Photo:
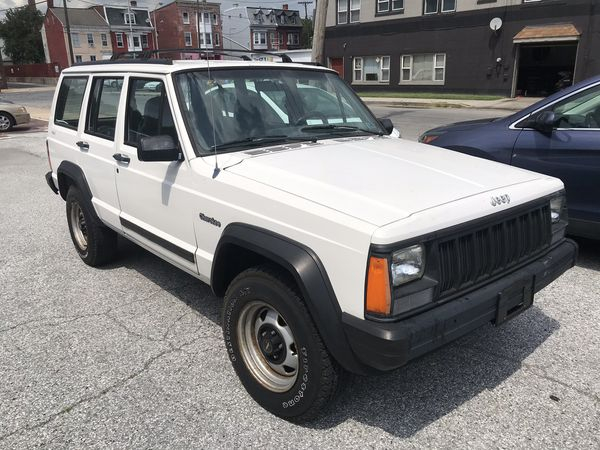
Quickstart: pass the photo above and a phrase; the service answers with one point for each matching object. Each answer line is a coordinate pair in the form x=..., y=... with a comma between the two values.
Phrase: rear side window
x=148, y=112
x=68, y=104
x=104, y=104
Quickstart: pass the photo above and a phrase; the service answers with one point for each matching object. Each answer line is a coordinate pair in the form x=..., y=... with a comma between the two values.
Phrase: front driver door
x=570, y=152
x=156, y=202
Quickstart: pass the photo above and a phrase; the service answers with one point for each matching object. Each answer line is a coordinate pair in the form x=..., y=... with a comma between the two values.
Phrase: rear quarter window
x=70, y=99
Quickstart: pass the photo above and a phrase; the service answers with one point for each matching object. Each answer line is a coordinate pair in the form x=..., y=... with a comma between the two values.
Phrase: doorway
x=337, y=64
x=545, y=68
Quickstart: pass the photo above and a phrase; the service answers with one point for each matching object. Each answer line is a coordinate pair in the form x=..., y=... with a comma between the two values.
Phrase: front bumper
x=388, y=345
x=22, y=118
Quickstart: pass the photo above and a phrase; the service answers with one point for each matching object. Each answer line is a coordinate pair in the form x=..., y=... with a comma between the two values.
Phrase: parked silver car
x=11, y=115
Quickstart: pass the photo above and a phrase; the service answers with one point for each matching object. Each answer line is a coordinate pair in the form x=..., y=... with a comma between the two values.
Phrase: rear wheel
x=6, y=121
x=275, y=347
x=95, y=243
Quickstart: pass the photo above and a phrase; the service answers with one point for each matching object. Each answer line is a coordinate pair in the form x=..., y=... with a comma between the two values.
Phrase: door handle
x=122, y=158
x=82, y=145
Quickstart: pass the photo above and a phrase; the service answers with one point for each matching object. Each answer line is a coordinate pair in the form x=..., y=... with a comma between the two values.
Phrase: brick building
x=256, y=28
x=89, y=36
x=182, y=24
x=130, y=27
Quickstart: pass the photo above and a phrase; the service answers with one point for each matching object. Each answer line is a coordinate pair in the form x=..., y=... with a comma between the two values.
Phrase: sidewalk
x=506, y=104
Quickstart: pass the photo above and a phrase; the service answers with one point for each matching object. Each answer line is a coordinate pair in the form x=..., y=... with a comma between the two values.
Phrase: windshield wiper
x=249, y=141
x=339, y=128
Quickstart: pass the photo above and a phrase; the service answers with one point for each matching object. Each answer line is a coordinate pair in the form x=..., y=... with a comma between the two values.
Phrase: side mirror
x=544, y=122
x=387, y=125
x=158, y=148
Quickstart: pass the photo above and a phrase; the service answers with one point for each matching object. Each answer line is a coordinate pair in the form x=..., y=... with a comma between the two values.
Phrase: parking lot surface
x=131, y=355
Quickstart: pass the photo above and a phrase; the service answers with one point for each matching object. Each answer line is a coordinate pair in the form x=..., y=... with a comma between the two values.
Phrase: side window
x=104, y=103
x=68, y=104
x=580, y=110
x=148, y=112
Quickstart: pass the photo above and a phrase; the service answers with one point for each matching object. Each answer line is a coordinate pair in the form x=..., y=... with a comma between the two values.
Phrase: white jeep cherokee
x=335, y=246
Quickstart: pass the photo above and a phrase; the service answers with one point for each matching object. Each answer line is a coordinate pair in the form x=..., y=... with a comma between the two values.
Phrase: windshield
x=243, y=108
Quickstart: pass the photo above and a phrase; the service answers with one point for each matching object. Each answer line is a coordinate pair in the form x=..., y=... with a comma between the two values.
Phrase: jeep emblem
x=495, y=201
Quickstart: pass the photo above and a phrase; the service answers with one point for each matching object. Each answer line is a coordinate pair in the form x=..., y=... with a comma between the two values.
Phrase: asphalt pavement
x=131, y=355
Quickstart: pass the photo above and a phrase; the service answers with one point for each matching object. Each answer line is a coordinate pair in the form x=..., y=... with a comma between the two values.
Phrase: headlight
x=407, y=264
x=428, y=138
x=557, y=208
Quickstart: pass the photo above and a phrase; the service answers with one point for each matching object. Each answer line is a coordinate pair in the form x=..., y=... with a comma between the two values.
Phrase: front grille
x=473, y=256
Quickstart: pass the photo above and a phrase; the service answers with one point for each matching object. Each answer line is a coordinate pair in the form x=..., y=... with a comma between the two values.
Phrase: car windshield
x=243, y=108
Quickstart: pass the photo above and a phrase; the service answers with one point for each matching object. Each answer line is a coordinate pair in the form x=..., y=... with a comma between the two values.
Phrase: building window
x=206, y=18
x=217, y=39
x=119, y=39
x=208, y=38
x=75, y=40
x=435, y=6
x=354, y=11
x=144, y=41
x=90, y=39
x=92, y=57
x=215, y=20
x=104, y=40
x=371, y=69
x=384, y=5
x=129, y=18
x=423, y=69
x=186, y=17
x=293, y=39
x=78, y=58
x=342, y=11
x=260, y=38
x=187, y=37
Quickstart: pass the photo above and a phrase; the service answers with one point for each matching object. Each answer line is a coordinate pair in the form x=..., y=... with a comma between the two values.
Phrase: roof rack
x=147, y=55
x=124, y=61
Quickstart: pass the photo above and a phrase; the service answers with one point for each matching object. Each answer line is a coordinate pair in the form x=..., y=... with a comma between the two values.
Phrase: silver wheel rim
x=4, y=122
x=267, y=346
x=78, y=226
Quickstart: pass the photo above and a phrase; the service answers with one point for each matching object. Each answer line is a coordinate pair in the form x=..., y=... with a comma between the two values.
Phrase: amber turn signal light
x=379, y=298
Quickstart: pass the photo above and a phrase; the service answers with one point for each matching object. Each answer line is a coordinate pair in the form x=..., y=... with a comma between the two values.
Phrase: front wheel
x=275, y=347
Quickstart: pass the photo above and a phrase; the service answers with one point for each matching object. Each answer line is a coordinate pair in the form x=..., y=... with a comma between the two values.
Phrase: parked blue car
x=558, y=136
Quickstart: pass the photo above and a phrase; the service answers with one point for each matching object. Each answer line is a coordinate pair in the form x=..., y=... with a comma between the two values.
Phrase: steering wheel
x=311, y=115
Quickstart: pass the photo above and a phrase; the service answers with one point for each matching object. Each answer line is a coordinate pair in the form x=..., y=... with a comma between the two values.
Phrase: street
x=132, y=354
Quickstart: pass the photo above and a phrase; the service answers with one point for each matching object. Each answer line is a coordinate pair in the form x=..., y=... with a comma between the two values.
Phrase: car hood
x=464, y=126
x=377, y=179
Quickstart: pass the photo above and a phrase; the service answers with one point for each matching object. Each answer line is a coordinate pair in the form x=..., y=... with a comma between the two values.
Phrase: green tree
x=307, y=33
x=20, y=30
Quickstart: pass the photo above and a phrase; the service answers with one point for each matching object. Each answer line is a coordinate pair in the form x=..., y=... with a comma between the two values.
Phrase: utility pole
x=68, y=32
x=319, y=33
x=305, y=3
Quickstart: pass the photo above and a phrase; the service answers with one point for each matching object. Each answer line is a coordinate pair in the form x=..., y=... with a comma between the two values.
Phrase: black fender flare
x=75, y=173
x=308, y=272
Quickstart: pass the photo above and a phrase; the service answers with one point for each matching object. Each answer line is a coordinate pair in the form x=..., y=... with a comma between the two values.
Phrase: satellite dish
x=496, y=23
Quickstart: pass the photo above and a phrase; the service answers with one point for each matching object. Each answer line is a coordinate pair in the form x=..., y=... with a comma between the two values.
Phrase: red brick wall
x=55, y=37
x=33, y=70
x=169, y=25
x=113, y=40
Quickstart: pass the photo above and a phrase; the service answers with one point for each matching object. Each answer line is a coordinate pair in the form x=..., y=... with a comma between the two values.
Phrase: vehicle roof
x=157, y=68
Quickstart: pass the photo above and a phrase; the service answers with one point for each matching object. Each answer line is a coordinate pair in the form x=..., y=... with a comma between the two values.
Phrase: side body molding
x=307, y=270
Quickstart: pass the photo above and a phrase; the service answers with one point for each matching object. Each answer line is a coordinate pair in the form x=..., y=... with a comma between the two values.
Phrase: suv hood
x=464, y=126
x=376, y=179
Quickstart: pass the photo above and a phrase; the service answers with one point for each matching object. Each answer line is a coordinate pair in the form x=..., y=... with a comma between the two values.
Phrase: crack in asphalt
x=538, y=371
x=120, y=383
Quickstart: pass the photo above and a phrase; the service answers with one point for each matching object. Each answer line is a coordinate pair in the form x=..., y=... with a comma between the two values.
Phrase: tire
x=95, y=243
x=275, y=347
x=6, y=121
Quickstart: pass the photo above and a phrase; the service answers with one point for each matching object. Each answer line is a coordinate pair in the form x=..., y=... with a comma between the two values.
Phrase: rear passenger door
x=97, y=146
x=156, y=202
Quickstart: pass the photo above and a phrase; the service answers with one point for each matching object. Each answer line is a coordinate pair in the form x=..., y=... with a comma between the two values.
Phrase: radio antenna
x=212, y=118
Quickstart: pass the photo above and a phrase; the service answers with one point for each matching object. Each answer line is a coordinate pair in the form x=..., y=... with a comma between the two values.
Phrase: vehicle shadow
x=589, y=253
x=400, y=402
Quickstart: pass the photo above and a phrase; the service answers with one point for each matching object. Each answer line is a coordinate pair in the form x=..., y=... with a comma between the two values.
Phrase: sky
x=6, y=4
